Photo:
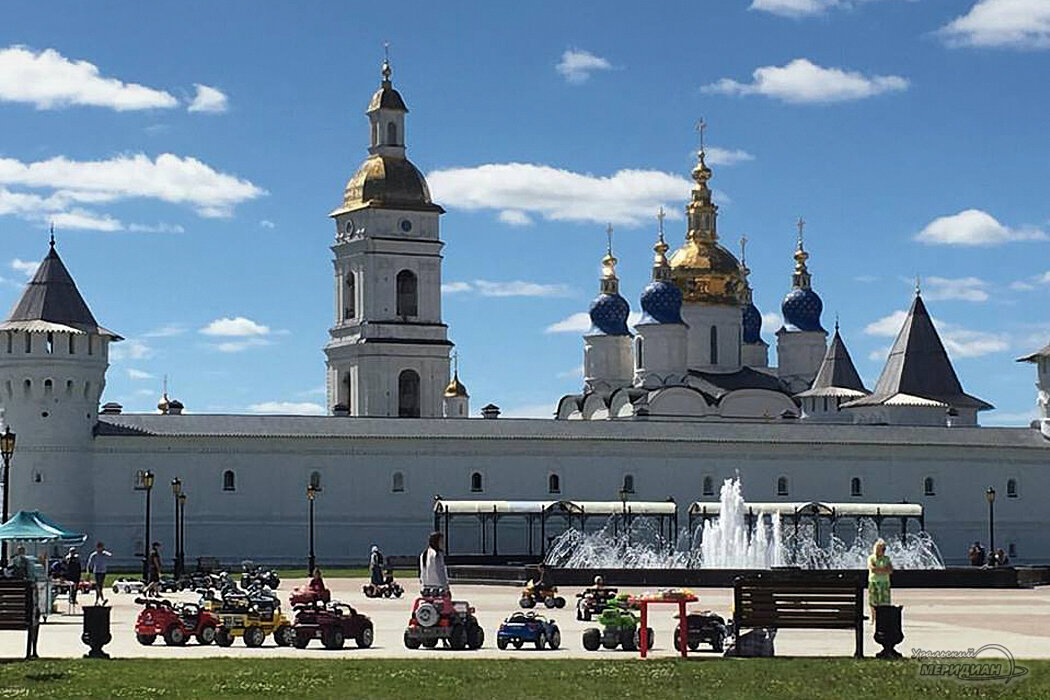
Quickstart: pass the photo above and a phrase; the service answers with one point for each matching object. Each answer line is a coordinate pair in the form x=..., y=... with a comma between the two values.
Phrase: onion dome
x=455, y=388
x=661, y=299
x=609, y=310
x=751, y=321
x=164, y=405
x=702, y=269
x=802, y=306
x=386, y=97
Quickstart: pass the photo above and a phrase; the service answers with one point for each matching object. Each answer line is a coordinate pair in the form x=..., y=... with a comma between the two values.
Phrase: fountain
x=736, y=541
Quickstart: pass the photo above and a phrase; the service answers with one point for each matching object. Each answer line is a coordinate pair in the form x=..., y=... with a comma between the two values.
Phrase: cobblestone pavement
x=933, y=619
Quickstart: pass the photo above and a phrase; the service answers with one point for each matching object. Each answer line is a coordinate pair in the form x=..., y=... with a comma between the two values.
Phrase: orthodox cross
x=52, y=234
x=801, y=225
x=455, y=362
x=743, y=249
x=660, y=215
x=608, y=232
x=701, y=127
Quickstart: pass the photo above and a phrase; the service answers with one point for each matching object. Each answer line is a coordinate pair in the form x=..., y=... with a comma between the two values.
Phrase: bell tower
x=388, y=350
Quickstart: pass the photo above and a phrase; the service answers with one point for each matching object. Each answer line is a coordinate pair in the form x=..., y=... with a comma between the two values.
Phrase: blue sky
x=190, y=152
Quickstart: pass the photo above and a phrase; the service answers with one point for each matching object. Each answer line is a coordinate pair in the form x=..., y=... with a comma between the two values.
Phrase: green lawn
x=436, y=679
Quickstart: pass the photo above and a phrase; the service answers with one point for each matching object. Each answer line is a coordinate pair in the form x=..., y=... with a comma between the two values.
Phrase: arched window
x=928, y=487
x=714, y=345
x=391, y=133
x=408, y=394
x=350, y=295
x=628, y=483
x=407, y=294
x=27, y=387
x=229, y=481
x=1011, y=488
x=315, y=480
x=553, y=484
x=782, y=486
x=475, y=482
x=638, y=360
x=48, y=387
x=855, y=486
x=69, y=387
x=49, y=345
x=398, y=484
x=709, y=486
x=11, y=342
x=375, y=133
x=29, y=342
x=72, y=346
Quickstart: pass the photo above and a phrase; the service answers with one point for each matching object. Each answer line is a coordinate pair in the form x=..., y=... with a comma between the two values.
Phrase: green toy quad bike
x=619, y=629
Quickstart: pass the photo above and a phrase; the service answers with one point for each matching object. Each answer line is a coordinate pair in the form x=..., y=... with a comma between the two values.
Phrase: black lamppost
x=147, y=485
x=176, y=491
x=182, y=533
x=7, y=450
x=624, y=493
x=990, y=497
x=311, y=494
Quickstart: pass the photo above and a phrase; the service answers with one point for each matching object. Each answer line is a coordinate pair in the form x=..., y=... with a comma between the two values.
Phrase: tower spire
x=52, y=235
x=801, y=279
x=610, y=282
x=385, y=70
x=661, y=268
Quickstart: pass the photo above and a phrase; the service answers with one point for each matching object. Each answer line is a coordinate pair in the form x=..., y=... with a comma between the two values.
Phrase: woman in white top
x=432, y=572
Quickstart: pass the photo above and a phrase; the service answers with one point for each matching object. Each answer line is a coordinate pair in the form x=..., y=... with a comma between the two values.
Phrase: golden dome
x=386, y=181
x=704, y=270
x=456, y=388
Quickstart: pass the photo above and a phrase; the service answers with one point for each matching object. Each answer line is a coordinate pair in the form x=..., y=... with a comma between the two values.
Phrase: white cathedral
x=685, y=401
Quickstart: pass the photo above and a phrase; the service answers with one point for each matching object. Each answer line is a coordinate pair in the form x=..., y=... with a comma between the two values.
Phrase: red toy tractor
x=176, y=623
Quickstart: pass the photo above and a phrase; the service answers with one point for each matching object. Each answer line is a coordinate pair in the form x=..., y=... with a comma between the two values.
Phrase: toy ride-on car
x=438, y=618
x=176, y=623
x=592, y=601
x=521, y=627
x=252, y=616
x=128, y=585
x=619, y=627
x=307, y=596
x=704, y=627
x=389, y=588
x=534, y=593
x=333, y=624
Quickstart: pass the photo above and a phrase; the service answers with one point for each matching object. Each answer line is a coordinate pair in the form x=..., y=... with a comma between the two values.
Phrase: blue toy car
x=522, y=627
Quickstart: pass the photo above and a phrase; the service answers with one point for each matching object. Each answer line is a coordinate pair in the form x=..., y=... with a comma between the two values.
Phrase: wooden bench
x=801, y=600
x=16, y=610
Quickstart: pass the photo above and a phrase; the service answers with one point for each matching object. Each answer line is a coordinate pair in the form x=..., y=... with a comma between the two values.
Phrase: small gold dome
x=455, y=388
x=387, y=182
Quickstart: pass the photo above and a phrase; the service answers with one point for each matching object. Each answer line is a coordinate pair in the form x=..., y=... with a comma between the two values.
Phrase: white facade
x=799, y=354
x=715, y=337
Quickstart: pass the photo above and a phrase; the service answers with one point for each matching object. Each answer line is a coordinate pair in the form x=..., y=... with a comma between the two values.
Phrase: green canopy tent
x=34, y=526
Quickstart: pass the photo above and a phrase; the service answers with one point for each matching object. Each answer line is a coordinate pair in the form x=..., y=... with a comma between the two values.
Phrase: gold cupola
x=706, y=272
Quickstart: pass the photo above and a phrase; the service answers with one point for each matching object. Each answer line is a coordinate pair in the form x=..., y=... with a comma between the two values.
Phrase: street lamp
x=7, y=450
x=990, y=497
x=147, y=484
x=311, y=494
x=176, y=491
x=182, y=533
x=624, y=493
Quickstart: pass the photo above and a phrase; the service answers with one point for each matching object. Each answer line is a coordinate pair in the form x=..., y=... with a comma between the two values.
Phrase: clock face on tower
x=406, y=225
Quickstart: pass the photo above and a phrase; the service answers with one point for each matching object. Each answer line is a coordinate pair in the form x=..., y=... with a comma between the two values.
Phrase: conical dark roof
x=919, y=366
x=837, y=371
x=52, y=296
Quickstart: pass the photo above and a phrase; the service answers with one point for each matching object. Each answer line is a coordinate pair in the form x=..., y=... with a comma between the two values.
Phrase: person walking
x=96, y=565
x=433, y=576
x=375, y=566
x=879, y=569
x=153, y=571
x=24, y=567
x=1000, y=558
x=73, y=571
x=975, y=555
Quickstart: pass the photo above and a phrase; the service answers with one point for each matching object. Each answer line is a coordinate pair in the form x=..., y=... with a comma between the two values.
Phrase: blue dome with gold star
x=609, y=315
x=661, y=302
x=752, y=324
x=801, y=309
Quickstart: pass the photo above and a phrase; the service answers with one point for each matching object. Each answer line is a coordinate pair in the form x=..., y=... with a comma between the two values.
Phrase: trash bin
x=96, y=630
x=889, y=631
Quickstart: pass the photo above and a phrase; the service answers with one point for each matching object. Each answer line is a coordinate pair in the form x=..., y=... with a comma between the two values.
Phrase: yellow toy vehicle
x=253, y=616
x=534, y=593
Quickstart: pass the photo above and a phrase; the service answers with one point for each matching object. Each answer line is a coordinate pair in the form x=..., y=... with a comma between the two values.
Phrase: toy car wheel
x=254, y=636
x=398, y=591
x=223, y=638
x=554, y=640
x=693, y=646
x=174, y=636
x=369, y=591
x=301, y=640
x=718, y=643
x=501, y=643
x=636, y=639
x=527, y=602
x=550, y=603
x=387, y=592
x=427, y=615
x=365, y=637
x=541, y=640
x=475, y=636
x=115, y=589
x=629, y=640
x=284, y=636
x=411, y=640
x=559, y=602
x=611, y=640
x=430, y=643
x=207, y=635
x=146, y=639
x=333, y=639
x=517, y=643
x=457, y=638
x=592, y=639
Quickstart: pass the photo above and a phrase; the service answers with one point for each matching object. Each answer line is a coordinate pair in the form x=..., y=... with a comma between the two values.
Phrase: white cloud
x=26, y=267
x=888, y=326
x=296, y=408
x=156, y=228
x=726, y=157
x=235, y=327
x=516, y=288
x=514, y=217
x=574, y=373
x=231, y=346
x=266, y=223
x=49, y=80
x=974, y=227
x=577, y=65
x=771, y=322
x=959, y=341
x=168, y=178
x=138, y=374
x=626, y=197
x=879, y=354
x=166, y=331
x=866, y=279
x=1022, y=286
x=209, y=100
x=1031, y=283
x=962, y=288
x=1019, y=24
x=803, y=82
x=802, y=8
x=576, y=323
x=130, y=350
